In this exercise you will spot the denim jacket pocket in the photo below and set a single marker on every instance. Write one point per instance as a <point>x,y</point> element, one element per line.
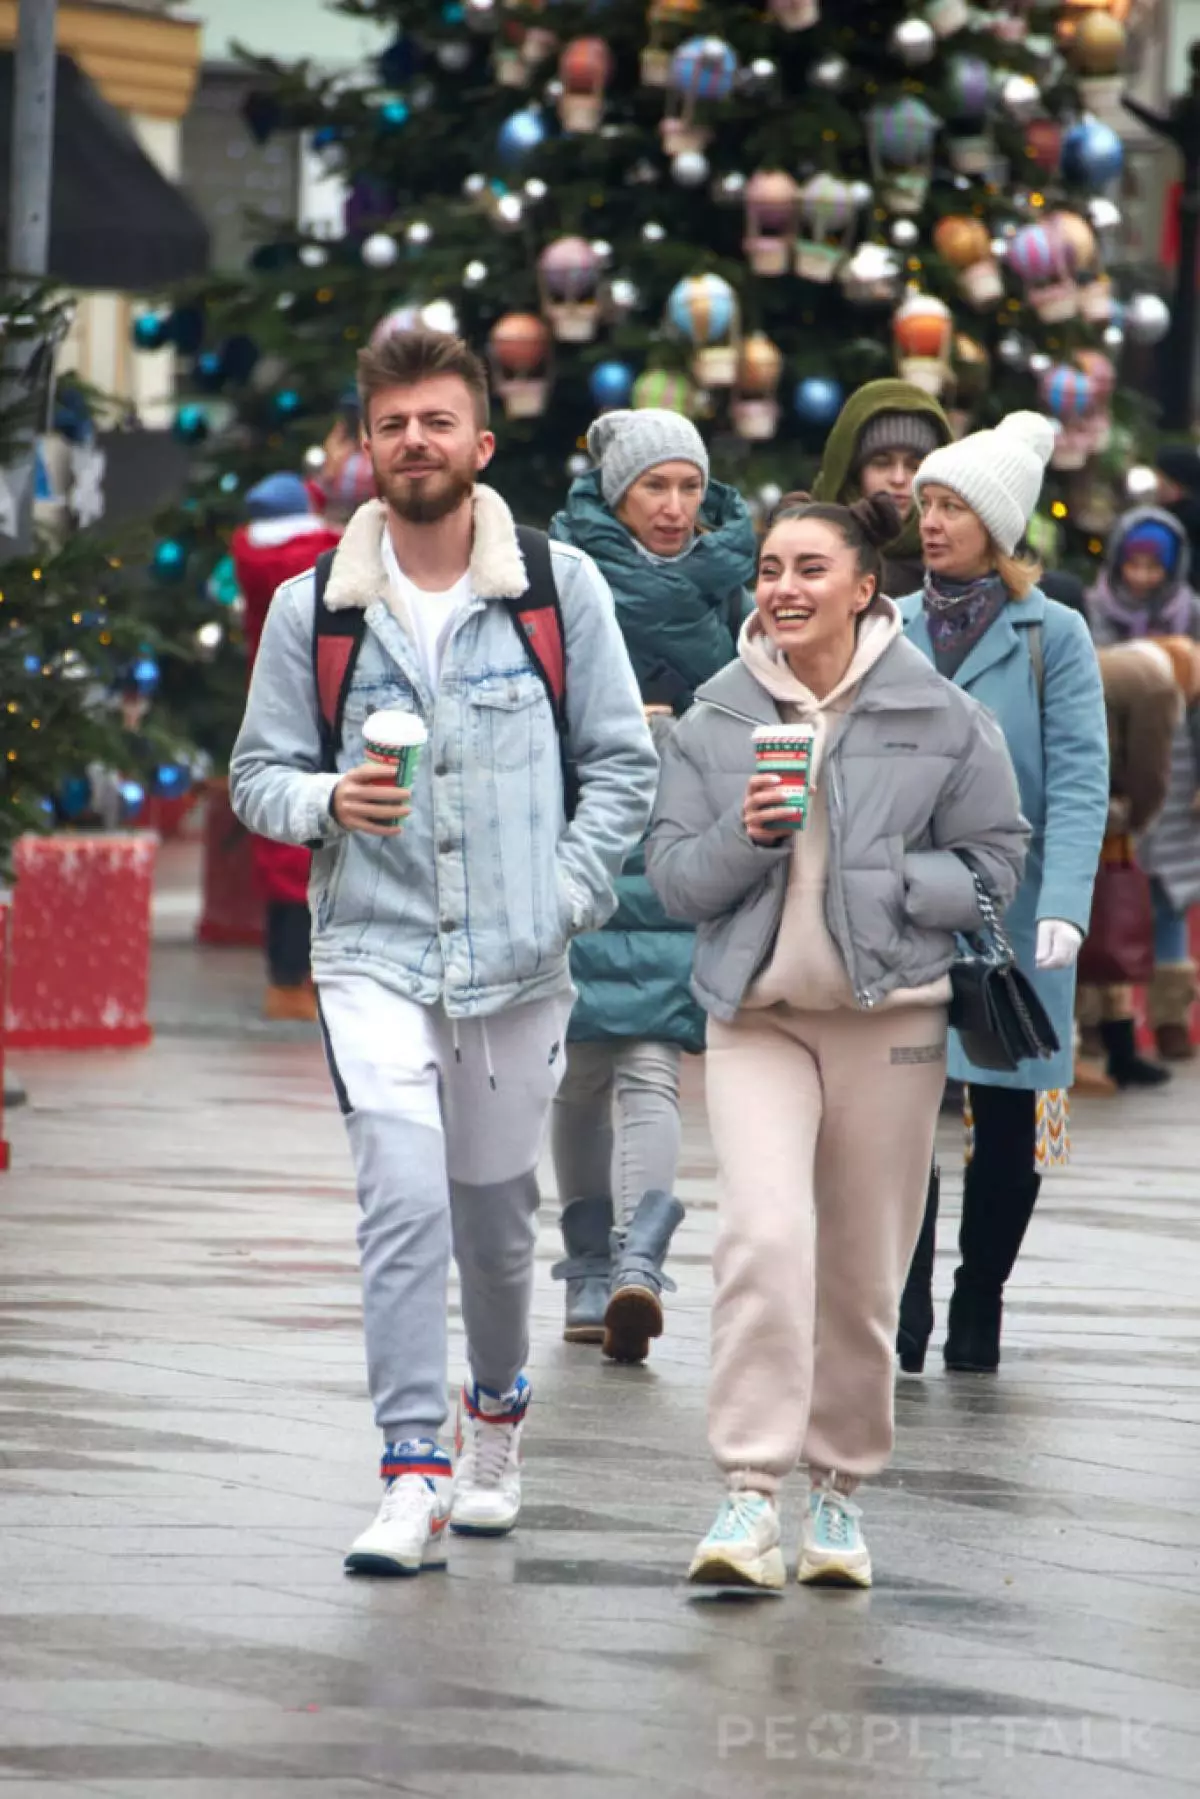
<point>511,720</point>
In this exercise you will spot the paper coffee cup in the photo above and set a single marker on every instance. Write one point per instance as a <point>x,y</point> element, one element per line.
<point>395,740</point>
<point>786,751</point>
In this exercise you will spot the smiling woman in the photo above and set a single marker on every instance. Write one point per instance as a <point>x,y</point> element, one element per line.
<point>822,958</point>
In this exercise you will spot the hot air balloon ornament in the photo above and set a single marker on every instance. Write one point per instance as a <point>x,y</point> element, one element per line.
<point>1042,258</point>
<point>669,21</point>
<point>569,272</point>
<point>1095,288</point>
<point>923,333</point>
<point>966,244</point>
<point>772,221</point>
<point>584,70</point>
<point>1102,377</point>
<point>703,72</point>
<point>665,389</point>
<point>1067,395</point>
<point>796,15</point>
<point>871,276</point>
<point>1097,53</point>
<point>900,139</point>
<point>828,212</point>
<point>970,145</point>
<point>520,47</point>
<point>519,348</point>
<point>755,406</point>
<point>704,309</point>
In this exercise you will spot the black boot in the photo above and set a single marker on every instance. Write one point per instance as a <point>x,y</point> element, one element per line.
<point>1125,1066</point>
<point>998,1203</point>
<point>916,1302</point>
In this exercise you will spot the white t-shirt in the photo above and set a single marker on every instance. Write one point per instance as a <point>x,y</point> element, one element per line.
<point>432,614</point>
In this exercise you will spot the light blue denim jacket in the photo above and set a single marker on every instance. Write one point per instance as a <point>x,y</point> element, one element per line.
<point>474,904</point>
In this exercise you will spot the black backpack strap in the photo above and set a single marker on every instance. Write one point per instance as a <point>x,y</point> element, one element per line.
<point>336,640</point>
<point>537,616</point>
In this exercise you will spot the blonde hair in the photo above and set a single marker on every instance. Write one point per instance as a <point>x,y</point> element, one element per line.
<point>1020,572</point>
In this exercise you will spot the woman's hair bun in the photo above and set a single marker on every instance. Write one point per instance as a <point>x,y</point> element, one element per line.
<point>878,518</point>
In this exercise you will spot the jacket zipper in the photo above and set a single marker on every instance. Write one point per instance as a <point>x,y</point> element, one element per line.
<point>866,999</point>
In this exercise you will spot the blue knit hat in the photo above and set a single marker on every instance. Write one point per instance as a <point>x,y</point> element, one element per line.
<point>1151,537</point>
<point>278,496</point>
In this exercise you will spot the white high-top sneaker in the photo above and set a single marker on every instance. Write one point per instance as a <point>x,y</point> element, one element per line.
<point>409,1532</point>
<point>487,1473</point>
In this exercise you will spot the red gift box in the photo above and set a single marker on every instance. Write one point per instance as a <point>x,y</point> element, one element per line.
<point>79,961</point>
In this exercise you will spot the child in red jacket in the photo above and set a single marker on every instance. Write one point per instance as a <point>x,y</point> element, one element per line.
<point>283,537</point>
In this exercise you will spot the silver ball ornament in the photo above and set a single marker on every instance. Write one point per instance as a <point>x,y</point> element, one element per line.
<point>315,256</point>
<point>535,189</point>
<point>475,274</point>
<point>1013,351</point>
<point>454,57</point>
<point>553,92</point>
<point>1021,98</point>
<point>758,76</point>
<point>602,250</point>
<point>474,187</point>
<point>578,464</point>
<point>905,233</point>
<point>379,251</point>
<point>690,168</point>
<point>419,234</point>
<point>1039,362</point>
<point>1147,319</point>
<point>769,495</point>
<point>624,295</point>
<point>653,232</point>
<point>1104,214</point>
<point>730,189</point>
<point>861,194</point>
<point>1141,483</point>
<point>314,458</point>
<point>1114,337</point>
<point>831,74</point>
<point>509,212</point>
<point>914,41</point>
<point>440,315</point>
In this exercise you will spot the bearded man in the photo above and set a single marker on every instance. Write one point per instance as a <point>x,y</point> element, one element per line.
<point>442,911</point>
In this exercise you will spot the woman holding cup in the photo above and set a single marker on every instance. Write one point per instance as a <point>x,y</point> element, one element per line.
<point>824,815</point>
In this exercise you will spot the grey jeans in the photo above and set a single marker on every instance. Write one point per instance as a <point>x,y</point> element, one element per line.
<point>615,1128</point>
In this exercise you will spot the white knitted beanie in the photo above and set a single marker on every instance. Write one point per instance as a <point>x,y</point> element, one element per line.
<point>997,473</point>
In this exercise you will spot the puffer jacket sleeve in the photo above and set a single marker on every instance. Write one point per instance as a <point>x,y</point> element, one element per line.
<point>277,786</point>
<point>977,828</point>
<point>699,859</point>
<point>608,741</point>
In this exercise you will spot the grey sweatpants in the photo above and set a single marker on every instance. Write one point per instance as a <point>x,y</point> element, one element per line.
<point>616,1128</point>
<point>446,1162</point>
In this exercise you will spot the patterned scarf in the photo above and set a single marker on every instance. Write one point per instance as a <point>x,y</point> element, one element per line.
<point>958,614</point>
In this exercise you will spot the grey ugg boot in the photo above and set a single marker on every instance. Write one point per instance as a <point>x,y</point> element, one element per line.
<point>586,1267</point>
<point>635,1311</point>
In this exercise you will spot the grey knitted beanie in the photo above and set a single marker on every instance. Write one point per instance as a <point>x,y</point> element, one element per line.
<point>626,444</point>
<point>998,473</point>
<point>916,431</point>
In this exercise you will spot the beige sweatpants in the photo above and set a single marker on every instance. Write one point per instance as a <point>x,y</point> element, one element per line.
<point>823,1124</point>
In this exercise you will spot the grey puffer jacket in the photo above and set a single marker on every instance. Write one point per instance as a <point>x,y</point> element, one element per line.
<point>918,778</point>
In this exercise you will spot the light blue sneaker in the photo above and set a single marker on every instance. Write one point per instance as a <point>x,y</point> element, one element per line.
<point>832,1548</point>
<point>742,1548</point>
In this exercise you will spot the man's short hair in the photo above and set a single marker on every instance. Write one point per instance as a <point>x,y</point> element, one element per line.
<point>403,358</point>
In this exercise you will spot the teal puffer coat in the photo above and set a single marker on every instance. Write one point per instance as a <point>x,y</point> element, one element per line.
<point>680,621</point>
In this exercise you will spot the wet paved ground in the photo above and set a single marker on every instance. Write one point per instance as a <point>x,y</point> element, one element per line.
<point>185,1451</point>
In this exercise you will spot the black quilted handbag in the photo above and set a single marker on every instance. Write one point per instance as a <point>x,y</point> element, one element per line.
<point>999,1018</point>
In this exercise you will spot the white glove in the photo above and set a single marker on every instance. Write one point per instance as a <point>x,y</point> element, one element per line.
<point>1058,943</point>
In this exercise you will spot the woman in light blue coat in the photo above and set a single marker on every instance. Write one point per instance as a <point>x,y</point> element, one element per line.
<point>987,626</point>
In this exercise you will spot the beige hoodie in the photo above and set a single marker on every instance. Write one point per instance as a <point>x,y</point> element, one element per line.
<point>806,970</point>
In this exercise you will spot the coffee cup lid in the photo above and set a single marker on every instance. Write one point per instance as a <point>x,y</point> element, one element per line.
<point>394,730</point>
<point>784,733</point>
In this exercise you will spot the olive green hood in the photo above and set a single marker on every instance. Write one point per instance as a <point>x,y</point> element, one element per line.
<point>837,481</point>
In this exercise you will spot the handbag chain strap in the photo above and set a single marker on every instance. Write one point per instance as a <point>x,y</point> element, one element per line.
<point>1001,953</point>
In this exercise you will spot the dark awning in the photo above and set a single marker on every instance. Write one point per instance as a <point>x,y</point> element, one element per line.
<point>115,219</point>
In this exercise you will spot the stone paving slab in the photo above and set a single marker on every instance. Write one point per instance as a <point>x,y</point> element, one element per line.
<point>185,1450</point>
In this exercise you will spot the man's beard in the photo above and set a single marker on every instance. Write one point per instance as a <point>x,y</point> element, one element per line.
<point>425,500</point>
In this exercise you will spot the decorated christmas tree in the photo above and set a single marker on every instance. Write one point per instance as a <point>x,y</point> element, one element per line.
<point>82,736</point>
<point>740,210</point>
